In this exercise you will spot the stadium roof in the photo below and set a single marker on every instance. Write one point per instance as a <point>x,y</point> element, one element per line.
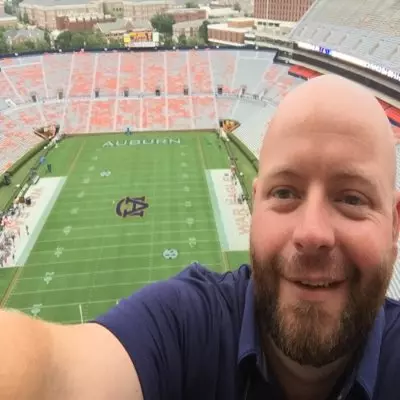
<point>54,3</point>
<point>366,29</point>
<point>58,3</point>
<point>226,27</point>
<point>188,24</point>
<point>166,2</point>
<point>118,25</point>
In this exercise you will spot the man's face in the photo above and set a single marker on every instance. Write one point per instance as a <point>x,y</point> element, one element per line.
<point>323,240</point>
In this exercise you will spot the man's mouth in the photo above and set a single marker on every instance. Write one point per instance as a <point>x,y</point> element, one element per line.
<point>318,285</point>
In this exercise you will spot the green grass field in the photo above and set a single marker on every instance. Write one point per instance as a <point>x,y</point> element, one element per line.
<point>101,256</point>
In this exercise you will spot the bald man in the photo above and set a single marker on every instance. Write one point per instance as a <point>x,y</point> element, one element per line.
<point>307,321</point>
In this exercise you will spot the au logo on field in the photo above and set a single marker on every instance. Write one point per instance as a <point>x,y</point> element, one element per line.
<point>131,207</point>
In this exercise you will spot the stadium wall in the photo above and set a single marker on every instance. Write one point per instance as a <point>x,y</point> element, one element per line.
<point>244,150</point>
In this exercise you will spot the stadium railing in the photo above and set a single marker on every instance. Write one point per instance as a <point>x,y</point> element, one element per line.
<point>246,186</point>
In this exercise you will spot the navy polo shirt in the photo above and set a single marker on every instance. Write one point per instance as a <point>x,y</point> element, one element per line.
<point>194,337</point>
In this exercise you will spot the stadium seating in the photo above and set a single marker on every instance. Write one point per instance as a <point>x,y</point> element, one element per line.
<point>366,29</point>
<point>205,112</point>
<point>82,110</point>
<point>200,75</point>
<point>130,72</point>
<point>178,71</point>
<point>79,75</point>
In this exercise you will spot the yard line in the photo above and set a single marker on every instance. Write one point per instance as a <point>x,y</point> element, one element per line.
<point>156,197</point>
<point>172,189</point>
<point>112,271</point>
<point>69,321</point>
<point>44,306</point>
<point>69,288</point>
<point>113,246</point>
<point>157,200</point>
<point>80,312</point>
<point>153,226</point>
<point>147,182</point>
<point>70,219</point>
<point>120,235</point>
<point>120,257</point>
<point>179,209</point>
<point>109,226</point>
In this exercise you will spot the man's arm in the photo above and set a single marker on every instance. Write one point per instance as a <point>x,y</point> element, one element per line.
<point>43,361</point>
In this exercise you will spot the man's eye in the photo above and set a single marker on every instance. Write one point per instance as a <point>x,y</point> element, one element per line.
<point>283,194</point>
<point>352,200</point>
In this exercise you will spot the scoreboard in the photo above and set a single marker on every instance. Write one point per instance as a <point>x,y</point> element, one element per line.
<point>141,39</point>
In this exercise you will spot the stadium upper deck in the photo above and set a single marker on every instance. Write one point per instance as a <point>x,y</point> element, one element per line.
<point>368,30</point>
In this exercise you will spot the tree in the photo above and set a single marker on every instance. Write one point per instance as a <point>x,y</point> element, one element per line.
<point>203,31</point>
<point>77,40</point>
<point>182,40</point>
<point>25,18</point>
<point>4,48</point>
<point>192,41</point>
<point>63,40</point>
<point>42,45</point>
<point>95,40</point>
<point>168,41</point>
<point>8,8</point>
<point>237,7</point>
<point>191,4</point>
<point>116,43</point>
<point>25,46</point>
<point>47,37</point>
<point>30,44</point>
<point>200,41</point>
<point>163,23</point>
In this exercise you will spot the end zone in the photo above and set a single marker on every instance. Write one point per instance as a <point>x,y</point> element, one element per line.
<point>232,218</point>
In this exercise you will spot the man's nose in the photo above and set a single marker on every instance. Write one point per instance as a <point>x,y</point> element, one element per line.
<point>314,232</point>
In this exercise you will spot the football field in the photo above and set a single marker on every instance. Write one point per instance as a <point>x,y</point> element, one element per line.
<point>132,210</point>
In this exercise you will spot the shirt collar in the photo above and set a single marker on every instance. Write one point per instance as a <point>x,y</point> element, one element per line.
<point>249,340</point>
<point>366,371</point>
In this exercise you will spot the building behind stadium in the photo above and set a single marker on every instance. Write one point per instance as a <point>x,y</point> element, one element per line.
<point>272,17</point>
<point>52,14</point>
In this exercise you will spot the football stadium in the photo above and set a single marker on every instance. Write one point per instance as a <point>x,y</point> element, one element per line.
<point>121,167</point>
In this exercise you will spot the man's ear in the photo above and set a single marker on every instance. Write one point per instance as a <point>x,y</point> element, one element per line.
<point>255,184</point>
<point>396,217</point>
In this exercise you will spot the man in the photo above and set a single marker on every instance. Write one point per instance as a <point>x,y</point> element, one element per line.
<point>308,321</point>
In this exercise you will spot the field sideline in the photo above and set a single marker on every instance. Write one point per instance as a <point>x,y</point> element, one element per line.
<point>88,255</point>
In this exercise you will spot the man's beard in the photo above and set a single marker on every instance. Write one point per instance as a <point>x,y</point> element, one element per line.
<point>300,330</point>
